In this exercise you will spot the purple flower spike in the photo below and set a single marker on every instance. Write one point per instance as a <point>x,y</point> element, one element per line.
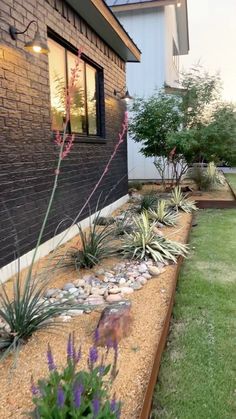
<point>60,397</point>
<point>70,348</point>
<point>93,355</point>
<point>78,390</point>
<point>51,364</point>
<point>34,390</point>
<point>96,407</point>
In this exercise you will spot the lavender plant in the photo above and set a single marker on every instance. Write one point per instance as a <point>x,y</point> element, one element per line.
<point>73,393</point>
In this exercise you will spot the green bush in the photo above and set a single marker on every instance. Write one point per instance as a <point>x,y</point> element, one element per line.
<point>148,201</point>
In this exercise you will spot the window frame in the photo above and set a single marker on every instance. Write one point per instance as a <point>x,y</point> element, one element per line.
<point>100,102</point>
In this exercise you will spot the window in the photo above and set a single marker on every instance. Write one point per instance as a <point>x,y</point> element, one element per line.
<point>84,111</point>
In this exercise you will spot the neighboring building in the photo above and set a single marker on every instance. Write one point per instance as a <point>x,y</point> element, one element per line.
<point>160,27</point>
<point>29,82</point>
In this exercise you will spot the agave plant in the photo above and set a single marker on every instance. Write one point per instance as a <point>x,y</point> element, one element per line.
<point>96,245</point>
<point>144,242</point>
<point>163,214</point>
<point>214,176</point>
<point>180,201</point>
<point>148,201</point>
<point>27,312</point>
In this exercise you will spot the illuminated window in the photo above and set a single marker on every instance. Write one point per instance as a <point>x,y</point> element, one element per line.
<point>84,109</point>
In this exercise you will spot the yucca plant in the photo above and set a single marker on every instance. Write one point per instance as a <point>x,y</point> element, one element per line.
<point>214,176</point>
<point>179,201</point>
<point>143,242</point>
<point>163,214</point>
<point>28,312</point>
<point>95,245</point>
<point>148,201</point>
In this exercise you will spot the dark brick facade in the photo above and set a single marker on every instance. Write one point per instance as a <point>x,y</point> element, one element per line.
<point>28,154</point>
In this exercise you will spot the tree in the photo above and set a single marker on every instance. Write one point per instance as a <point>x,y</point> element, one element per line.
<point>191,126</point>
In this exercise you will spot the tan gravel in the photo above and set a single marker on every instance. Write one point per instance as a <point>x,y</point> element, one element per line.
<point>136,353</point>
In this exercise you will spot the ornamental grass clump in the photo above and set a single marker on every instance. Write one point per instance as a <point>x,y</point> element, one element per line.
<point>144,242</point>
<point>148,201</point>
<point>179,201</point>
<point>163,214</point>
<point>77,393</point>
<point>27,312</point>
<point>95,245</point>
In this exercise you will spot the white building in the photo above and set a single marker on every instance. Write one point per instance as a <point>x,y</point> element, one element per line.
<point>160,28</point>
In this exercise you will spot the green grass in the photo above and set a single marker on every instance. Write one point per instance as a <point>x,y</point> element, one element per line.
<point>231,177</point>
<point>197,378</point>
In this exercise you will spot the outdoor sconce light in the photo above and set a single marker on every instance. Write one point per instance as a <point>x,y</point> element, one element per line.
<point>126,97</point>
<point>178,4</point>
<point>36,45</point>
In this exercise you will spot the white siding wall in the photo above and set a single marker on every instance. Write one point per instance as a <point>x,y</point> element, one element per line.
<point>150,31</point>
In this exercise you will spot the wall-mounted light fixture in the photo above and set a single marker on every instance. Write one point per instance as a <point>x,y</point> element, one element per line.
<point>126,96</point>
<point>178,4</point>
<point>36,45</point>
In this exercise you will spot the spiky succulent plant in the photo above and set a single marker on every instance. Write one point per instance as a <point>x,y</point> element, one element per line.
<point>163,214</point>
<point>144,242</point>
<point>179,201</point>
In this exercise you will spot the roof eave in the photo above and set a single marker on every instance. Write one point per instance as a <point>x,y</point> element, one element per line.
<point>99,16</point>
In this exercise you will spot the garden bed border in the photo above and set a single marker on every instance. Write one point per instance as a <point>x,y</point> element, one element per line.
<point>218,203</point>
<point>147,403</point>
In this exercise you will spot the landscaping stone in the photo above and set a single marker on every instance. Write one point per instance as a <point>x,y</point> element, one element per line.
<point>126,290</point>
<point>142,268</point>
<point>68,286</point>
<point>155,271</point>
<point>95,300</point>
<point>73,290</point>
<point>115,323</point>
<point>114,290</point>
<point>113,298</point>
<point>79,283</point>
<point>136,286</point>
<point>122,281</point>
<point>74,313</point>
<point>51,293</point>
<point>104,221</point>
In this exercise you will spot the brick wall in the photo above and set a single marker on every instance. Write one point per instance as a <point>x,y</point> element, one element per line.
<point>28,154</point>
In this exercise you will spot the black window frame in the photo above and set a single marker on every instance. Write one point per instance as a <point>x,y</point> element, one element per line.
<point>100,102</point>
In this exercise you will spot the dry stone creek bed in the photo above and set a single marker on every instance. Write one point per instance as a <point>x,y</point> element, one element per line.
<point>114,280</point>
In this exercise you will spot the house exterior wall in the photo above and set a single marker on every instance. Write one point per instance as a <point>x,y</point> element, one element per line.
<point>153,29</point>
<point>28,155</point>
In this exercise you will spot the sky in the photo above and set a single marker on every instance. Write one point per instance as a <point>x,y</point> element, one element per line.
<point>212,33</point>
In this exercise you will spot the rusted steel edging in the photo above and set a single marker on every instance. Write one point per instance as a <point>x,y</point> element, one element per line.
<point>147,404</point>
<point>215,204</point>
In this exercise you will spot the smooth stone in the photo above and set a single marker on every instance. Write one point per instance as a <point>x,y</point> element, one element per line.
<point>98,291</point>
<point>73,291</point>
<point>155,271</point>
<point>74,313</point>
<point>68,286</point>
<point>114,290</point>
<point>142,280</point>
<point>59,296</point>
<point>95,300</point>
<point>104,221</point>
<point>136,286</point>
<point>51,293</point>
<point>79,283</point>
<point>122,281</point>
<point>126,290</point>
<point>113,298</point>
<point>147,276</point>
<point>142,268</point>
<point>100,272</point>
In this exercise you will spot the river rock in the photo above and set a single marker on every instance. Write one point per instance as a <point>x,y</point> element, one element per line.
<point>74,313</point>
<point>114,324</point>
<point>104,221</point>
<point>73,290</point>
<point>114,290</point>
<point>142,280</point>
<point>122,281</point>
<point>113,298</point>
<point>79,283</point>
<point>146,276</point>
<point>136,286</point>
<point>142,268</point>
<point>68,286</point>
<point>155,271</point>
<point>95,300</point>
<point>126,290</point>
<point>51,293</point>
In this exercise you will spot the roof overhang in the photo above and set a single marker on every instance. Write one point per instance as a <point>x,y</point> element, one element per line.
<point>181,17</point>
<point>101,19</point>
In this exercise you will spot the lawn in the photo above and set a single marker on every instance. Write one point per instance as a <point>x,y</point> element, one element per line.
<point>231,177</point>
<point>197,378</point>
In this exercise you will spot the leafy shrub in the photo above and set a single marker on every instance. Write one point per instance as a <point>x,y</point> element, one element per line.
<point>77,394</point>
<point>27,312</point>
<point>180,201</point>
<point>163,214</point>
<point>95,245</point>
<point>148,201</point>
<point>144,242</point>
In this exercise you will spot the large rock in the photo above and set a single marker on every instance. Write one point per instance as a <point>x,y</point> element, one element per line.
<point>114,324</point>
<point>104,221</point>
<point>113,298</point>
<point>155,271</point>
